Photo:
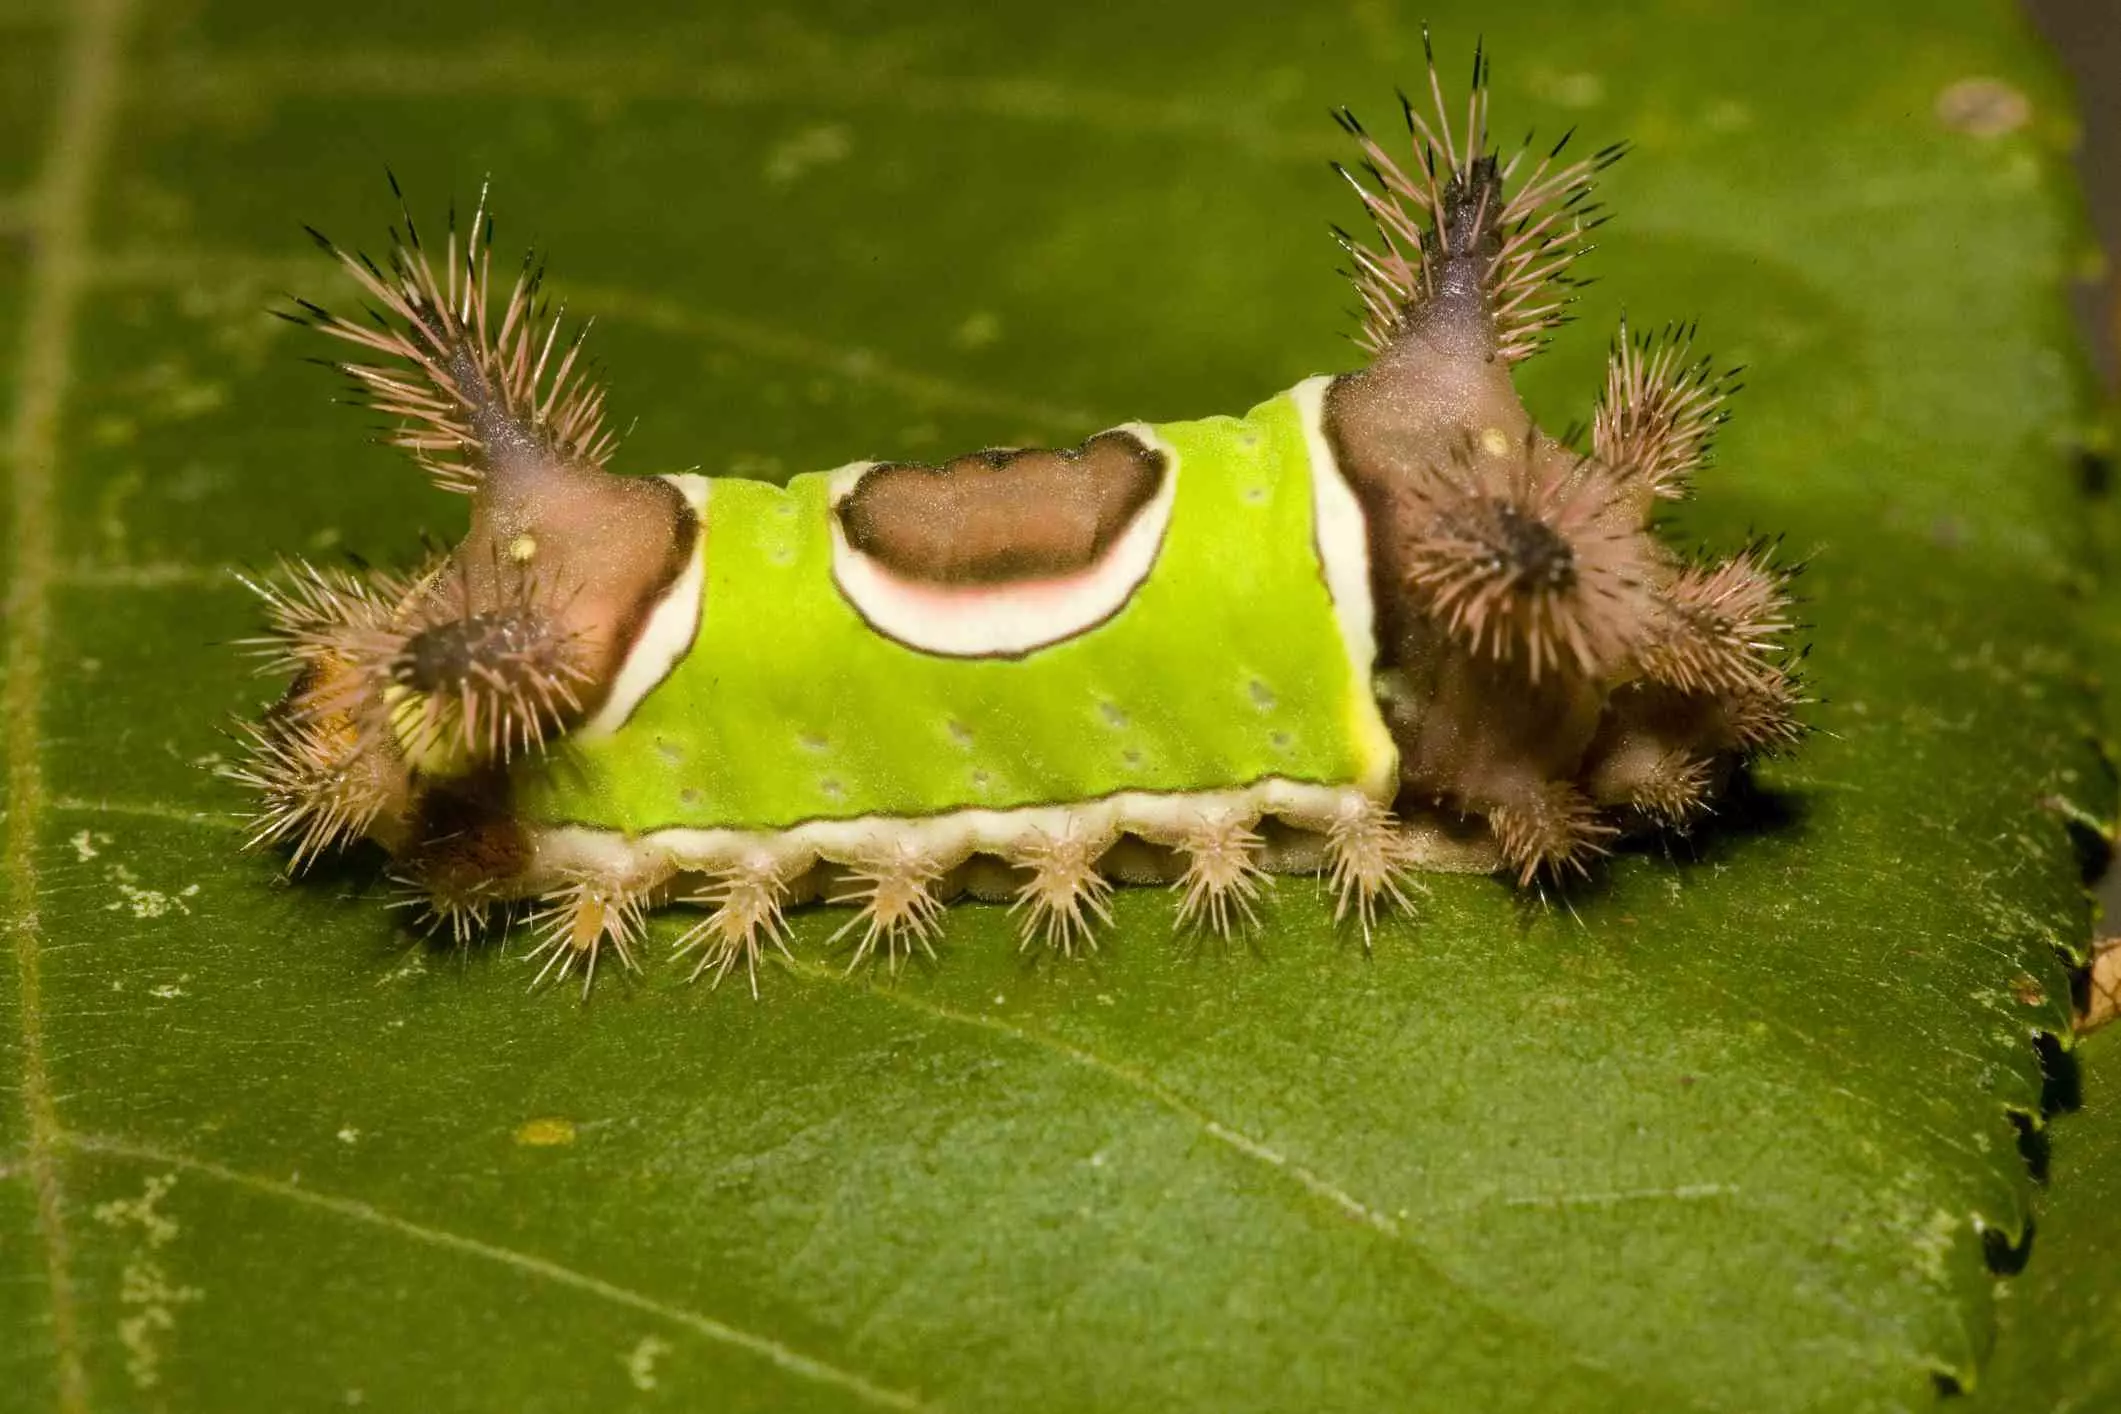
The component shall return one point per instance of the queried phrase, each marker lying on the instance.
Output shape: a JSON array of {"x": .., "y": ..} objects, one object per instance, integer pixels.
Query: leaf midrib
[{"x": 87, "y": 96}]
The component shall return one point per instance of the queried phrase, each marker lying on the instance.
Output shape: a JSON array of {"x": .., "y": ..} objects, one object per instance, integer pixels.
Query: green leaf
[{"x": 1722, "y": 1132}]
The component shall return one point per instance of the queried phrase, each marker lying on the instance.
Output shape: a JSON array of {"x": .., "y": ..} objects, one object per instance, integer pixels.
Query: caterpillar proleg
[{"x": 1379, "y": 624}]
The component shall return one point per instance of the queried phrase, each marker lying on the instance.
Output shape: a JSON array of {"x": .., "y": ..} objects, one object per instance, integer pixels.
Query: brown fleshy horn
[
  {"x": 463, "y": 911},
  {"x": 1764, "y": 721},
  {"x": 1524, "y": 559},
  {"x": 309, "y": 609},
  {"x": 467, "y": 675},
  {"x": 1669, "y": 785},
  {"x": 1370, "y": 863},
  {"x": 524, "y": 629},
  {"x": 1724, "y": 627},
  {"x": 319, "y": 784},
  {"x": 1657, "y": 418},
  {"x": 467, "y": 389},
  {"x": 1554, "y": 828},
  {"x": 1458, "y": 204}
]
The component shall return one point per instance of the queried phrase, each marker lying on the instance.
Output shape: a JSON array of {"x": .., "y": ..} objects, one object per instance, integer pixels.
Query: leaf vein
[
  {"x": 651, "y": 310},
  {"x": 1305, "y": 1177},
  {"x": 62, "y": 212},
  {"x": 845, "y": 80},
  {"x": 775, "y": 1352}
]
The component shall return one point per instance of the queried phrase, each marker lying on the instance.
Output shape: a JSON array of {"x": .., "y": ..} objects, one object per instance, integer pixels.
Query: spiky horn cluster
[
  {"x": 1525, "y": 557},
  {"x": 472, "y": 679},
  {"x": 1661, "y": 408},
  {"x": 1522, "y": 221},
  {"x": 1572, "y": 675},
  {"x": 1554, "y": 669},
  {"x": 465, "y": 385},
  {"x": 413, "y": 694}
]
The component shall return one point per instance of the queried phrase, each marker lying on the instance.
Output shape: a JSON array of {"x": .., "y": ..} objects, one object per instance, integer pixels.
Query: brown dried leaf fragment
[{"x": 2102, "y": 995}]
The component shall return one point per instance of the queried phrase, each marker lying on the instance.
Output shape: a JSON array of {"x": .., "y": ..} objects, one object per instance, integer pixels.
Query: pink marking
[{"x": 1001, "y": 620}]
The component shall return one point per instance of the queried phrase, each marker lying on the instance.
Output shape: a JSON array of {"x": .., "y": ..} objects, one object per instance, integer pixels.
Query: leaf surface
[
  {"x": 2060, "y": 1348},
  {"x": 1719, "y": 1133}
]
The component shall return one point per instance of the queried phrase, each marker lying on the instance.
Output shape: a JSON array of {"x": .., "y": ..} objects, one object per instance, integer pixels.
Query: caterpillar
[{"x": 1379, "y": 624}]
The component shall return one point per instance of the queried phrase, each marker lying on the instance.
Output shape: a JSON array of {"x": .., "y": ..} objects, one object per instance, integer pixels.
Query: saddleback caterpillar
[{"x": 1379, "y": 624}]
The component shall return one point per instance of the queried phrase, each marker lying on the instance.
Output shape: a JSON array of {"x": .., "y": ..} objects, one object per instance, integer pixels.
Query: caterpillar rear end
[{"x": 1381, "y": 623}]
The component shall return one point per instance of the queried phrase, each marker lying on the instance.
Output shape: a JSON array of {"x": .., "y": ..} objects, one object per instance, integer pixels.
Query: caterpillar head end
[{"x": 504, "y": 643}]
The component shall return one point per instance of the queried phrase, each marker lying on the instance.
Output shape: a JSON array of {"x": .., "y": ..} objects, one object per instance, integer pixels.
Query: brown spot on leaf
[
  {"x": 2102, "y": 998},
  {"x": 1983, "y": 107}
]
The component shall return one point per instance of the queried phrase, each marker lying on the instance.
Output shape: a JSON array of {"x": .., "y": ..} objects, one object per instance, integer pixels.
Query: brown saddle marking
[{"x": 1000, "y": 516}]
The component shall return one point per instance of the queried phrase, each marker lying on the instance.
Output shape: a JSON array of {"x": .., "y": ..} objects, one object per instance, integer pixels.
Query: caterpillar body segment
[{"x": 1377, "y": 625}]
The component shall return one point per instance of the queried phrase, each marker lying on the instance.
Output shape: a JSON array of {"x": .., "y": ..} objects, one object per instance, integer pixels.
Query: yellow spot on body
[
  {"x": 588, "y": 924},
  {"x": 430, "y": 742},
  {"x": 523, "y": 549},
  {"x": 1495, "y": 442},
  {"x": 545, "y": 1133}
]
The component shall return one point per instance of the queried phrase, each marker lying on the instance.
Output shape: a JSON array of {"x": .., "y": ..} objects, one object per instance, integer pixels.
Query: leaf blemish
[
  {"x": 821, "y": 146},
  {"x": 142, "y": 902},
  {"x": 545, "y": 1132},
  {"x": 145, "y": 1287},
  {"x": 640, "y": 1361}
]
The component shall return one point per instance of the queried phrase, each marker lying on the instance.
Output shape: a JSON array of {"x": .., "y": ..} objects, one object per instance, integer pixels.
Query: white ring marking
[
  {"x": 667, "y": 634},
  {"x": 989, "y": 620},
  {"x": 1343, "y": 536}
]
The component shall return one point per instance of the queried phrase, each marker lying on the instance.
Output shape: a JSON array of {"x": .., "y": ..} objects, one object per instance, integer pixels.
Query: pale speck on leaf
[{"x": 545, "y": 1132}]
